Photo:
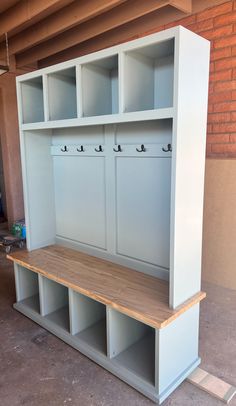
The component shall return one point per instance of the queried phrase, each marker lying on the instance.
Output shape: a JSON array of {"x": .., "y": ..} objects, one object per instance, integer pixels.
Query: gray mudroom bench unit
[{"x": 113, "y": 157}]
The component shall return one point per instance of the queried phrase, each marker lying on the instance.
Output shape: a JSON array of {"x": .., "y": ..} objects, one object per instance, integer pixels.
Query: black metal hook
[
  {"x": 65, "y": 149},
  {"x": 81, "y": 149},
  {"x": 99, "y": 149},
  {"x": 143, "y": 149},
  {"x": 169, "y": 148},
  {"x": 118, "y": 149}
]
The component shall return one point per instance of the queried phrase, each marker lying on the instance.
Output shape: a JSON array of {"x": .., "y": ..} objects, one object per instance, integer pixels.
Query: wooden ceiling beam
[
  {"x": 145, "y": 25},
  {"x": 24, "y": 11},
  {"x": 182, "y": 5},
  {"x": 5, "y": 4},
  {"x": 125, "y": 13},
  {"x": 74, "y": 14}
]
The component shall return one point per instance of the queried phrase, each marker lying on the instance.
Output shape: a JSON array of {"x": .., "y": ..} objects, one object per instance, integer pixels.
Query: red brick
[
  {"x": 224, "y": 128},
  {"x": 215, "y": 11},
  {"x": 234, "y": 6},
  {"x": 234, "y": 74},
  {"x": 209, "y": 128},
  {"x": 233, "y": 116},
  {"x": 220, "y": 97},
  {"x": 183, "y": 21},
  {"x": 220, "y": 53},
  {"x": 208, "y": 149},
  {"x": 228, "y": 106},
  {"x": 210, "y": 108},
  {"x": 221, "y": 86},
  {"x": 225, "y": 19},
  {"x": 224, "y": 148},
  {"x": 232, "y": 138},
  {"x": 211, "y": 88},
  {"x": 226, "y": 63},
  {"x": 217, "y": 33},
  {"x": 218, "y": 117},
  {"x": 221, "y": 75},
  {"x": 225, "y": 42},
  {"x": 234, "y": 50},
  {"x": 212, "y": 67},
  {"x": 218, "y": 138},
  {"x": 233, "y": 95},
  {"x": 201, "y": 26}
]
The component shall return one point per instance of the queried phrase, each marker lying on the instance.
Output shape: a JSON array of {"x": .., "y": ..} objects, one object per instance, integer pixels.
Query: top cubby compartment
[
  {"x": 32, "y": 100},
  {"x": 149, "y": 77},
  {"x": 62, "y": 94},
  {"x": 100, "y": 87}
]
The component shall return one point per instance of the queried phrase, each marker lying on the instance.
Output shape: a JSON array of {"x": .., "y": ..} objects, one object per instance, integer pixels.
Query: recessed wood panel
[
  {"x": 80, "y": 199},
  {"x": 143, "y": 209}
]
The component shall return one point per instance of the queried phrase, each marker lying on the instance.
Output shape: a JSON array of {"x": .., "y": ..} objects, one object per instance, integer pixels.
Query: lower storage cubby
[
  {"x": 27, "y": 288},
  {"x": 54, "y": 303},
  {"x": 132, "y": 345},
  {"x": 88, "y": 321}
]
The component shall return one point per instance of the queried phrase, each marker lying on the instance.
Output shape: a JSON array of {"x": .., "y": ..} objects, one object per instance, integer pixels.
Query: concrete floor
[{"x": 37, "y": 369}]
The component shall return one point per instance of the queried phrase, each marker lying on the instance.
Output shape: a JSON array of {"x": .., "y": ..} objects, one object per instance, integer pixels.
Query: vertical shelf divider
[
  {"x": 121, "y": 84},
  {"x": 45, "y": 97},
  {"x": 79, "y": 91}
]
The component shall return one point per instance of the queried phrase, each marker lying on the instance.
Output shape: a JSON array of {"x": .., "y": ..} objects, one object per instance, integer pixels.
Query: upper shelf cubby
[
  {"x": 32, "y": 100},
  {"x": 100, "y": 87},
  {"x": 62, "y": 94},
  {"x": 149, "y": 77}
]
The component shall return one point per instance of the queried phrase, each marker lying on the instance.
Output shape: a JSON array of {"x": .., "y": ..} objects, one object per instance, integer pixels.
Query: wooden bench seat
[{"x": 138, "y": 295}]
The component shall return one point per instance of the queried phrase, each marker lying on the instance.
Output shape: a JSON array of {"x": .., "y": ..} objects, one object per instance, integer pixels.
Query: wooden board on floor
[
  {"x": 138, "y": 295},
  {"x": 212, "y": 385}
]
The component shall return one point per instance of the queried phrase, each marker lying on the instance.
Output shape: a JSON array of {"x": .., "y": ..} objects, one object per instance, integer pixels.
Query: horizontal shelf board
[
  {"x": 32, "y": 303},
  {"x": 95, "y": 336},
  {"x": 143, "y": 297},
  {"x": 60, "y": 317},
  {"x": 157, "y": 114},
  {"x": 140, "y": 358}
]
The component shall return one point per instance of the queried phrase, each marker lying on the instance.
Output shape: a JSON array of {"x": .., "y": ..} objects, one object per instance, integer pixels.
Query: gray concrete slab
[{"x": 38, "y": 369}]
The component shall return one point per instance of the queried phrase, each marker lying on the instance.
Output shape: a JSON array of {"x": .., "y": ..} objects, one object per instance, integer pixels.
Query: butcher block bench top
[{"x": 143, "y": 297}]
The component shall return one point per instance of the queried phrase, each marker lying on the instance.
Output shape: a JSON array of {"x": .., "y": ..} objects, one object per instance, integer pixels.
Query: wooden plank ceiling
[{"x": 41, "y": 31}]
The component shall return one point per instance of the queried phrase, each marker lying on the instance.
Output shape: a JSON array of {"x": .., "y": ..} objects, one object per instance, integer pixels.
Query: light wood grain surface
[
  {"x": 138, "y": 295},
  {"x": 212, "y": 385}
]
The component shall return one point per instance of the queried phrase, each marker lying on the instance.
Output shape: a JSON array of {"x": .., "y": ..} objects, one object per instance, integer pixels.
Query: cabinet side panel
[
  {"x": 178, "y": 347},
  {"x": 38, "y": 189},
  {"x": 188, "y": 165}
]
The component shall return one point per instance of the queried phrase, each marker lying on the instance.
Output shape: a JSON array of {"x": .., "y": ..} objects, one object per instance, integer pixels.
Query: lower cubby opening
[
  {"x": 132, "y": 345},
  {"x": 27, "y": 288},
  {"x": 88, "y": 321},
  {"x": 55, "y": 303}
]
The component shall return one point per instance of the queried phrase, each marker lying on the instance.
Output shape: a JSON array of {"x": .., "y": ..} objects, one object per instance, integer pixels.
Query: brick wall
[{"x": 218, "y": 24}]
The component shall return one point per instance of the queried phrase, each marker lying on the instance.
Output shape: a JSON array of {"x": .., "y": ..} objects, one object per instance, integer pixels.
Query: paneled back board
[{"x": 113, "y": 153}]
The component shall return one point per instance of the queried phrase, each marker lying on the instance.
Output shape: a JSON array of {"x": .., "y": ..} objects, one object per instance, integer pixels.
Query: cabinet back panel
[
  {"x": 80, "y": 199},
  {"x": 143, "y": 208},
  {"x": 62, "y": 96},
  {"x": 80, "y": 135},
  {"x": 139, "y": 82},
  {"x": 99, "y": 90},
  {"x": 32, "y": 100},
  {"x": 144, "y": 132},
  {"x": 164, "y": 82}
]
